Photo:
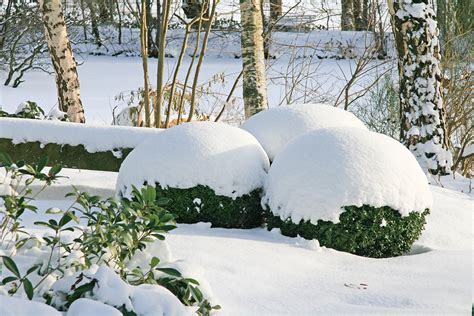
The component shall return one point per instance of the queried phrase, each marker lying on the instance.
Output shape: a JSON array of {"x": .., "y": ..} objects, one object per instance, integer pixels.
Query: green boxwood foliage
[
  {"x": 360, "y": 230},
  {"x": 68, "y": 156},
  {"x": 201, "y": 204}
]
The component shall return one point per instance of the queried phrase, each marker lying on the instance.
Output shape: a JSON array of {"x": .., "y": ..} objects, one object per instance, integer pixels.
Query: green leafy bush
[
  {"x": 365, "y": 231},
  {"x": 114, "y": 231},
  {"x": 201, "y": 204}
]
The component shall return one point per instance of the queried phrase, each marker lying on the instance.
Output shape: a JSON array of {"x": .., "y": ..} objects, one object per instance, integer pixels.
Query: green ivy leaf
[
  {"x": 9, "y": 279},
  {"x": 28, "y": 287},
  {"x": 170, "y": 271},
  {"x": 11, "y": 265}
]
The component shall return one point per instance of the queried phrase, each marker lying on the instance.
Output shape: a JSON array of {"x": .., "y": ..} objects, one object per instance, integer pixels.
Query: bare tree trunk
[
  {"x": 152, "y": 49},
  {"x": 94, "y": 22},
  {"x": 161, "y": 62},
  {"x": 192, "y": 106},
  {"x": 253, "y": 59},
  {"x": 276, "y": 10},
  {"x": 347, "y": 15},
  {"x": 358, "y": 15},
  {"x": 4, "y": 23},
  {"x": 417, "y": 43},
  {"x": 158, "y": 22},
  {"x": 144, "y": 51},
  {"x": 119, "y": 24},
  {"x": 67, "y": 81}
]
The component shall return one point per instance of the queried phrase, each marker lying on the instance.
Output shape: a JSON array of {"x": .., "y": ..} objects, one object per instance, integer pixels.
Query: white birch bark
[
  {"x": 253, "y": 58},
  {"x": 67, "y": 81}
]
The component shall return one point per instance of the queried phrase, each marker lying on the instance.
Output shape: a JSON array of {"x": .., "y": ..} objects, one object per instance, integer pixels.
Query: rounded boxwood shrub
[
  {"x": 202, "y": 204},
  {"x": 352, "y": 189},
  {"x": 212, "y": 172},
  {"x": 276, "y": 127},
  {"x": 365, "y": 231}
]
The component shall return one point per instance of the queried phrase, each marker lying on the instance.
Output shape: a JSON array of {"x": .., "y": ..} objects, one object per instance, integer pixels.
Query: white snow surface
[
  {"x": 94, "y": 137},
  {"x": 12, "y": 306},
  {"x": 321, "y": 171},
  {"x": 241, "y": 265},
  {"x": 277, "y": 126},
  {"x": 88, "y": 307},
  {"x": 227, "y": 159}
]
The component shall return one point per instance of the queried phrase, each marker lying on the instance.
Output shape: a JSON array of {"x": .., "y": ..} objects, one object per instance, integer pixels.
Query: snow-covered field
[
  {"x": 103, "y": 78},
  {"x": 256, "y": 272}
]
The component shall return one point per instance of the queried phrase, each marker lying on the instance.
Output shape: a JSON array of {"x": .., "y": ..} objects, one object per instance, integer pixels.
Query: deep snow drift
[
  {"x": 227, "y": 159},
  {"x": 275, "y": 127},
  {"x": 321, "y": 171}
]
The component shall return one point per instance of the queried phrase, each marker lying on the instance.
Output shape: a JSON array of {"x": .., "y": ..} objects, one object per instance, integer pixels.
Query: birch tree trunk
[
  {"x": 67, "y": 81},
  {"x": 253, "y": 58},
  {"x": 347, "y": 15},
  {"x": 422, "y": 113}
]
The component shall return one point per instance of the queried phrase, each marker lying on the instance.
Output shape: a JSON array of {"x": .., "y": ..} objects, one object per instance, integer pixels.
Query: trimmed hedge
[
  {"x": 66, "y": 155},
  {"x": 201, "y": 204},
  {"x": 360, "y": 230}
]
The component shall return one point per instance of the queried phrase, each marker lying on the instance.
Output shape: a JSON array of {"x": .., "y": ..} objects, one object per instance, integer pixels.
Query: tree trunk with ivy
[
  {"x": 253, "y": 58},
  {"x": 422, "y": 113},
  {"x": 62, "y": 58}
]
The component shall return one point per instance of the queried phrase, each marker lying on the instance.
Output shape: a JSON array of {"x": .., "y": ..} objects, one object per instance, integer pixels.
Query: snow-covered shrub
[
  {"x": 352, "y": 189},
  {"x": 103, "y": 284},
  {"x": 212, "y": 172},
  {"x": 275, "y": 127}
]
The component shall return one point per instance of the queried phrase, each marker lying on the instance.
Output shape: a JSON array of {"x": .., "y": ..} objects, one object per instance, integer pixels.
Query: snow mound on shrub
[
  {"x": 323, "y": 170},
  {"x": 275, "y": 127},
  {"x": 12, "y": 306},
  {"x": 227, "y": 159},
  {"x": 142, "y": 257}
]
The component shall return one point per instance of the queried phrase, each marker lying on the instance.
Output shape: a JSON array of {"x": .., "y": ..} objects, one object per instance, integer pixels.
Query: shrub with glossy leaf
[
  {"x": 201, "y": 204},
  {"x": 365, "y": 231}
]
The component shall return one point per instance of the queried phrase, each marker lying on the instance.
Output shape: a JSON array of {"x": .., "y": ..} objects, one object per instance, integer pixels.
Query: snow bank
[
  {"x": 323, "y": 170},
  {"x": 11, "y": 306},
  {"x": 275, "y": 127},
  {"x": 94, "y": 138},
  {"x": 227, "y": 159}
]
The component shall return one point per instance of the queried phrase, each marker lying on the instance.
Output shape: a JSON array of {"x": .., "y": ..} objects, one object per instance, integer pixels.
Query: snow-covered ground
[
  {"x": 256, "y": 272},
  {"x": 103, "y": 78}
]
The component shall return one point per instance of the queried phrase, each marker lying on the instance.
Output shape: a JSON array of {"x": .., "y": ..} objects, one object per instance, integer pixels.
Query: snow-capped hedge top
[
  {"x": 324, "y": 170},
  {"x": 227, "y": 159},
  {"x": 275, "y": 127},
  {"x": 94, "y": 138}
]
